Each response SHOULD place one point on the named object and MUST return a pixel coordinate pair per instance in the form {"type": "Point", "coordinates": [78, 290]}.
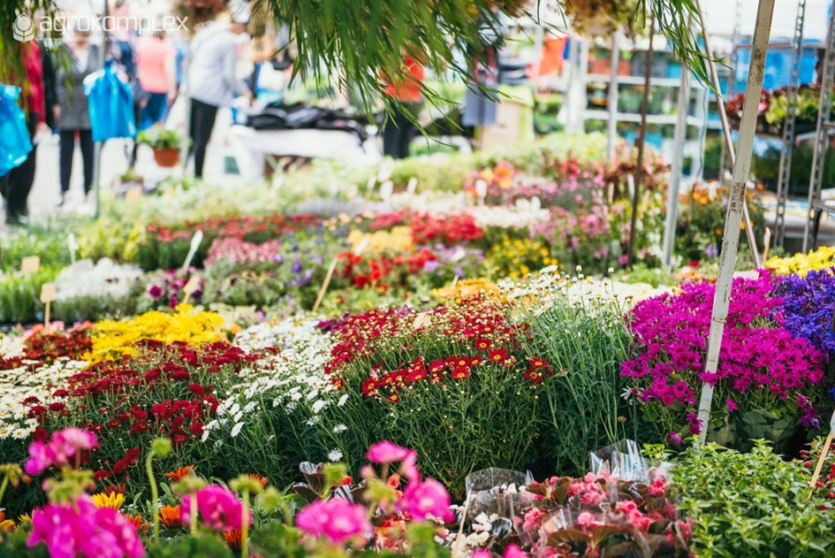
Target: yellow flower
{"type": "Point", "coordinates": [112, 339]}
{"type": "Point", "coordinates": [112, 500]}
{"type": "Point", "coordinates": [802, 264]}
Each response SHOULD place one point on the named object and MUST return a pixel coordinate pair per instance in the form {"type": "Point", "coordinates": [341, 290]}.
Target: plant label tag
{"type": "Point", "coordinates": [412, 186]}
{"type": "Point", "coordinates": [134, 194]}
{"type": "Point", "coordinates": [422, 320]}
{"type": "Point", "coordinates": [47, 292]}
{"type": "Point", "coordinates": [353, 192]}
{"type": "Point", "coordinates": [195, 244]}
{"type": "Point", "coordinates": [386, 190]}
{"type": "Point", "coordinates": [832, 423]}
{"type": "Point", "coordinates": [361, 246]}
{"type": "Point", "coordinates": [30, 264]}
{"type": "Point", "coordinates": [481, 190]}
{"type": "Point", "coordinates": [192, 285]}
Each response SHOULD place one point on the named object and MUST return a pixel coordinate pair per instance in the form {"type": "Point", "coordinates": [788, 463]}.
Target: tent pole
{"type": "Point", "coordinates": [736, 205]}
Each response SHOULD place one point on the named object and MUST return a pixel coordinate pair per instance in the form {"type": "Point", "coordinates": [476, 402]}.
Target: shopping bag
{"type": "Point", "coordinates": [15, 143]}
{"type": "Point", "coordinates": [111, 105]}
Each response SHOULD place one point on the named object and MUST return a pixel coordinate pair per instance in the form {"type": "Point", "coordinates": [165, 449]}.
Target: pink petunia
{"type": "Point", "coordinates": [337, 519]}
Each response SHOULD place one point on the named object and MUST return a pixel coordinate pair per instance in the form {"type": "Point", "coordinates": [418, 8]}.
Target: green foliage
{"type": "Point", "coordinates": [160, 137]}
{"type": "Point", "coordinates": [20, 295]}
{"type": "Point", "coordinates": [581, 409]}
{"type": "Point", "coordinates": [751, 504]}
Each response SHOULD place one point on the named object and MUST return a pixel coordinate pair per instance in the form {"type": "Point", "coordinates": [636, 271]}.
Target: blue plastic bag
{"type": "Point", "coordinates": [15, 143]}
{"type": "Point", "coordinates": [111, 105]}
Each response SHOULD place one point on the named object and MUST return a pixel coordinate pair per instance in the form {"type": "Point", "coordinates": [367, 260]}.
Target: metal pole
{"type": "Point", "coordinates": [612, 124]}
{"type": "Point", "coordinates": [639, 172]}
{"type": "Point", "coordinates": [726, 132]}
{"type": "Point", "coordinates": [736, 203]}
{"type": "Point", "coordinates": [677, 167]}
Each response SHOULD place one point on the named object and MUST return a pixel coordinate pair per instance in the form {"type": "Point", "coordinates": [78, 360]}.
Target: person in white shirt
{"type": "Point", "coordinates": [212, 79]}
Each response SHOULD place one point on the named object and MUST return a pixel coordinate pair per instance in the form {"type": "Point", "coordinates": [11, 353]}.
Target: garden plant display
{"type": "Point", "coordinates": [477, 330]}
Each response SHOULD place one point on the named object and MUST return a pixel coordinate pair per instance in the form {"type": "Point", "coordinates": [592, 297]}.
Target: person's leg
{"type": "Point", "coordinates": [407, 132]}
{"type": "Point", "coordinates": [22, 177]}
{"type": "Point", "coordinates": [203, 121]}
{"type": "Point", "coordinates": [66, 142]}
{"type": "Point", "coordinates": [391, 135]}
{"type": "Point", "coordinates": [86, 140]}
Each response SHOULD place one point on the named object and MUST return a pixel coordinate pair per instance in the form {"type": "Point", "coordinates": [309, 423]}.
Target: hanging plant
{"type": "Point", "coordinates": [199, 11]}
{"type": "Point", "coordinates": [603, 17]}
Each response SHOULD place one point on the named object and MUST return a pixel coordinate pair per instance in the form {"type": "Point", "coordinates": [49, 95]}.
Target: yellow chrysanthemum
{"type": "Point", "coordinates": [802, 264]}
{"type": "Point", "coordinates": [112, 500]}
{"type": "Point", "coordinates": [399, 240]}
{"type": "Point", "coordinates": [112, 339]}
{"type": "Point", "coordinates": [467, 288]}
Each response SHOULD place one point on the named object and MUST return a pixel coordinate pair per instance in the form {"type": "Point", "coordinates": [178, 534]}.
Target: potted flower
{"type": "Point", "coordinates": [164, 142]}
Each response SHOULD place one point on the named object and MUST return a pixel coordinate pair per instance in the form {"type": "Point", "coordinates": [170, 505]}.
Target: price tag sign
{"type": "Point", "coordinates": [412, 186]}
{"type": "Point", "coordinates": [195, 244]}
{"type": "Point", "coordinates": [47, 292]}
{"type": "Point", "coordinates": [422, 320]}
{"type": "Point", "coordinates": [30, 264]}
{"type": "Point", "coordinates": [191, 287]}
{"type": "Point", "coordinates": [134, 194]}
{"type": "Point", "coordinates": [386, 190]}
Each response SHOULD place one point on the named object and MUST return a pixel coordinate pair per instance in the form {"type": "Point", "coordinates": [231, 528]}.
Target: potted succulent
{"type": "Point", "coordinates": [164, 142]}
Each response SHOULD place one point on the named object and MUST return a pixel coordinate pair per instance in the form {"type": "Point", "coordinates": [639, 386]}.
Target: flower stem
{"type": "Point", "coordinates": [3, 487]}
{"type": "Point", "coordinates": [193, 517]}
{"type": "Point", "coordinates": [154, 493]}
{"type": "Point", "coordinates": [245, 525]}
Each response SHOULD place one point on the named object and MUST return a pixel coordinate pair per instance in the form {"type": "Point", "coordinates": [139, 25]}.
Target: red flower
{"type": "Point", "coordinates": [40, 434]}
{"type": "Point", "coordinates": [160, 410]}
{"type": "Point", "coordinates": [534, 376]}
{"type": "Point", "coordinates": [338, 382]}
{"type": "Point", "coordinates": [498, 355]}
{"type": "Point", "coordinates": [196, 428]}
{"type": "Point", "coordinates": [369, 387]}
{"type": "Point", "coordinates": [393, 397]}
{"type": "Point", "coordinates": [131, 457]}
{"type": "Point", "coordinates": [57, 407]}
{"type": "Point", "coordinates": [114, 423]}
{"type": "Point", "coordinates": [437, 367]}
{"type": "Point", "coordinates": [461, 373]}
{"type": "Point", "coordinates": [60, 393]}
{"type": "Point", "coordinates": [538, 362]}
{"type": "Point", "coordinates": [483, 344]}
{"type": "Point", "coordinates": [196, 389]}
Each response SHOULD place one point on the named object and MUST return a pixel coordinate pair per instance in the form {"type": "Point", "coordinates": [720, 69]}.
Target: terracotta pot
{"type": "Point", "coordinates": [166, 158]}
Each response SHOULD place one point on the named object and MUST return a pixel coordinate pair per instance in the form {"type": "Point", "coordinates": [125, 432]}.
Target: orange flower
{"type": "Point", "coordinates": [181, 473]}
{"type": "Point", "coordinates": [169, 516]}
{"type": "Point", "coordinates": [138, 522]}
{"type": "Point", "coordinates": [6, 524]}
{"type": "Point", "coordinates": [233, 539]}
{"type": "Point", "coordinates": [262, 480]}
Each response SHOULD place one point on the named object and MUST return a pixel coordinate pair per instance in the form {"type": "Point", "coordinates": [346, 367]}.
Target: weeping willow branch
{"type": "Point", "coordinates": [359, 41]}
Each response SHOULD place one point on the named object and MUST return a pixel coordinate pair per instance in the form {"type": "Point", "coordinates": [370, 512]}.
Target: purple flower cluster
{"type": "Point", "coordinates": [757, 354]}
{"type": "Point", "coordinates": [807, 309]}
{"type": "Point", "coordinates": [82, 529]}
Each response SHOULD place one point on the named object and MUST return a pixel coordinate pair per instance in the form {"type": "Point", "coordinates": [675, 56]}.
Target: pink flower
{"type": "Point", "coordinates": [481, 553]}
{"type": "Point", "coordinates": [60, 451]}
{"type": "Point", "coordinates": [586, 519]}
{"type": "Point", "coordinates": [732, 406]}
{"type": "Point", "coordinates": [533, 519]}
{"type": "Point", "coordinates": [336, 519]}
{"type": "Point", "coordinates": [386, 452]}
{"type": "Point", "coordinates": [219, 507]}
{"type": "Point", "coordinates": [422, 499]}
{"type": "Point", "coordinates": [513, 551]}
{"type": "Point", "coordinates": [82, 529]}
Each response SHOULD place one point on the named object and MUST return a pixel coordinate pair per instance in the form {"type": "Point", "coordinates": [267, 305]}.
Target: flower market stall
{"type": "Point", "coordinates": [470, 355]}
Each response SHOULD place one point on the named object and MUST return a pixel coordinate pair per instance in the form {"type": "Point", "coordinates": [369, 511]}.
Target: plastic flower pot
{"type": "Point", "coordinates": [166, 157]}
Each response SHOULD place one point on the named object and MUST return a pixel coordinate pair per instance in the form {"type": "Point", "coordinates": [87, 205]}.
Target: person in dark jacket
{"type": "Point", "coordinates": [71, 111]}
{"type": "Point", "coordinates": [37, 91]}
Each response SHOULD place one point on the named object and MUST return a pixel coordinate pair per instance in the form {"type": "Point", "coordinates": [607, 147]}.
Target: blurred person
{"type": "Point", "coordinates": [213, 80]}
{"type": "Point", "coordinates": [399, 128]}
{"type": "Point", "coordinates": [71, 110]}
{"type": "Point", "coordinates": [156, 73]}
{"type": "Point", "coordinates": [38, 91]}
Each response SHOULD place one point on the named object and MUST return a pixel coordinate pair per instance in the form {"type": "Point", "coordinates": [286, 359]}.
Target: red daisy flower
{"type": "Point", "coordinates": [461, 373]}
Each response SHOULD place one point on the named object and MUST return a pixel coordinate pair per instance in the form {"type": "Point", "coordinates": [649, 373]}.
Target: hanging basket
{"type": "Point", "coordinates": [167, 158]}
